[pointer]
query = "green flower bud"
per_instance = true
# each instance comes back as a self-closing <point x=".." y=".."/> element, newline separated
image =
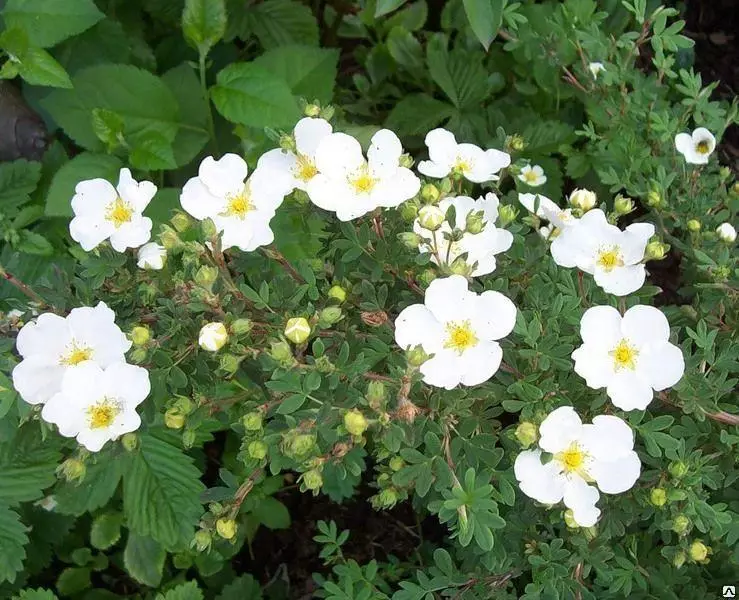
<point x="656" y="250"/>
<point x="475" y="222"/>
<point x="324" y="365"/>
<point x="527" y="433"/>
<point x="130" y="441"/>
<point x="409" y="211"/>
<point x="229" y="363"/>
<point x="694" y="225"/>
<point x="301" y="446"/>
<point x="330" y="316"/>
<point x="226" y="528"/>
<point x="591" y="533"/>
<point x="387" y="498"/>
<point x="181" y="221"/>
<point x="658" y="497"/>
<point x="583" y="199"/>
<point x="461" y="267"/>
<point x="71" y="470"/>
<point x="679" y="559"/>
<point x="681" y="524"/>
<point x="431" y="217"/>
<point x="735" y="188"/>
<point x="241" y="326"/>
<point x="281" y="352"/>
<point x="208" y="228"/>
<point x="410" y="240"/>
<point x="337" y="293"/>
<point x="623" y="205"/>
<point x="138" y="355"/>
<point x="287" y="142"/>
<point x="174" y="419"/>
<point x="202" y="540"/>
<point x="169" y="238"/>
<point x="507" y="214"/>
<point x="188" y="438"/>
<point x="182" y="561"/>
<point x="213" y="336"/>
<point x="297" y="330"/>
<point x="416" y="356"/>
<point x="355" y="422"/>
<point x="724" y="173"/>
<point x="570" y="519"/>
<point x="140" y="335"/>
<point x="406" y="161"/>
<point x="216" y="508"/>
<point x="699" y="551"/>
<point x="376" y="394"/>
<point x="252" y="421"/>
<point x="257" y="449"/>
<point x="654" y="198"/>
<point x="427" y="276"/>
<point x="430" y="193"/>
<point x="206" y="276"/>
<point x="312" y="480"/>
<point x="327" y="113"/>
<point x="678" y="469"/>
<point x="312" y="110"/>
<point x="183" y="404"/>
<point x="396" y="463"/>
<point x="515" y="142"/>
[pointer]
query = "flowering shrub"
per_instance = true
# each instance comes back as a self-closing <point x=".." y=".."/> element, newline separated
<point x="470" y="261"/>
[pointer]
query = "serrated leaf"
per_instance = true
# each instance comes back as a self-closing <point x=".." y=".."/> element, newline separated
<point x="144" y="559"/>
<point x="298" y="236"/>
<point x="241" y="588"/>
<point x="28" y="465"/>
<point x="250" y="95"/>
<point x="161" y="488"/>
<point x="106" y="530"/>
<point x="13" y="539"/>
<point x="185" y="591"/>
<point x="100" y="483"/>
<point x="37" y="67"/>
<point x="74" y="580"/>
<point x="17" y="180"/>
<point x="83" y="166"/>
<point x="190" y="140"/>
<point x="309" y="72"/>
<point x="485" y="18"/>
<point x="417" y="114"/>
<point x="204" y="23"/>
<point x="48" y="22"/>
<point x="152" y="152"/>
<point x="38" y="594"/>
<point x="275" y="23"/>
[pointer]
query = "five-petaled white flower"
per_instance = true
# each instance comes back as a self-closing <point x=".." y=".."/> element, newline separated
<point x="299" y="165"/>
<point x="102" y="211"/>
<point x="601" y="453"/>
<point x="241" y="209"/>
<point x="350" y="185"/>
<point x="532" y="176"/>
<point x="547" y="209"/>
<point x="459" y="328"/>
<point x="630" y="356"/>
<point x="96" y="405"/>
<point x="151" y="256"/>
<point x="472" y="162"/>
<point x="612" y="256"/>
<point x="480" y="248"/>
<point x="52" y="345"/>
<point x="696" y="147"/>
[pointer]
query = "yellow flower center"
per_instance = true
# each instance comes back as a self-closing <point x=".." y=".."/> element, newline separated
<point x="530" y="176"/>
<point x="238" y="205"/>
<point x="461" y="337"/>
<point x="702" y="147"/>
<point x="624" y="356"/>
<point x="609" y="258"/>
<point x="362" y="181"/>
<point x="305" y="170"/>
<point x="573" y="460"/>
<point x="102" y="414"/>
<point x="119" y="212"/>
<point x="75" y="355"/>
<point x="461" y="166"/>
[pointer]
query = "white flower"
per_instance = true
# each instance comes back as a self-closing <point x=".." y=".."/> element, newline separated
<point x="601" y="453"/>
<point x="596" y="68"/>
<point x="96" y="405"/>
<point x="480" y="248"/>
<point x="430" y="217"/>
<point x="350" y="185"/>
<point x="631" y="356"/>
<point x="52" y="345"/>
<point x="547" y="209"/>
<point x="532" y="176"/>
<point x="241" y="209"/>
<point x="612" y="256"/>
<point x="459" y="328"/>
<point x="470" y="161"/>
<point x="696" y="147"/>
<point x="299" y="166"/>
<point x="726" y="232"/>
<point x="213" y="336"/>
<point x="152" y="256"/>
<point x="546" y="231"/>
<point x="102" y="211"/>
<point x="583" y="199"/>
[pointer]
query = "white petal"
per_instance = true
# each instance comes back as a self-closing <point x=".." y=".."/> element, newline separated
<point x="481" y="362"/>
<point x="540" y="482"/>
<point x="197" y="200"/>
<point x="278" y="163"/>
<point x="628" y="391"/>
<point x="479" y="168"/>
<point x="561" y="427"/>
<point x="328" y="193"/>
<point x="645" y="325"/>
<point x="90" y="233"/>
<point x="684" y="143"/>
<point x="593" y="364"/>
<point x="67" y="417"/>
<point x="635" y="239"/>
<point x="600" y="327"/>
<point x="444" y="370"/>
<point x="432" y="169"/>
<point x="92" y="197"/>
<point x="621" y="281"/>
<point x="442" y="147"/>
<point x="663" y="365"/>
<point x="581" y="498"/>
<point x="449" y="299"/>
<point x="417" y="325"/>
<point x="47" y="336"/>
<point x="355" y="207"/>
<point x="566" y="248"/>
<point x="701" y="134"/>
<point x="308" y="134"/>
<point x="127" y="382"/>
<point x="84" y="384"/>
<point x="133" y="234"/>
<point x="94" y="439"/>
<point x="616" y="476"/>
<point x="607" y="438"/>
<point x="37" y="380"/>
<point x="236" y="233"/>
<point x="494" y="315"/>
<point x="392" y="191"/>
<point x="338" y="154"/>
<point x="223" y="176"/>
<point x="384" y="152"/>
<point x="138" y="194"/>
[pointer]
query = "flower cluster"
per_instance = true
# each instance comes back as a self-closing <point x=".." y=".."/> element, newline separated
<point x="75" y="366"/>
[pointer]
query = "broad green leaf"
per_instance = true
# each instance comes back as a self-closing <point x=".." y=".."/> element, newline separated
<point x="144" y="559"/>
<point x="142" y="99"/>
<point x="185" y="591"/>
<point x="48" y="22"/>
<point x="248" y="94"/>
<point x="241" y="588"/>
<point x="106" y="530"/>
<point x="274" y="22"/>
<point x="13" y="539"/>
<point x="106" y="42"/>
<point x="8" y="395"/>
<point x="405" y="49"/>
<point x="162" y="204"/>
<point x="38" y="594"/>
<point x="193" y="135"/>
<point x="204" y="23"/>
<point x="417" y="114"/>
<point x="309" y="72"/>
<point x="387" y="6"/>
<point x="34" y="243"/>
<point x="152" y="152"/>
<point x="298" y="235"/>
<point x="28" y="465"/>
<point x="37" y="67"/>
<point x="17" y="180"/>
<point x="94" y="491"/>
<point x="460" y="74"/>
<point x="485" y="17"/>
<point x="160" y="493"/>
<point x="83" y="166"/>
<point x="74" y="580"/>
<point x="272" y="514"/>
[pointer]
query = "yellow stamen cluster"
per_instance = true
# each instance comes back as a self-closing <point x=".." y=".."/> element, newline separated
<point x="362" y="180"/>
<point x="119" y="212"/>
<point x="574" y="460"/>
<point x="305" y="169"/>
<point x="238" y="205"/>
<point x="75" y="355"/>
<point x="102" y="414"/>
<point x="624" y="356"/>
<point x="609" y="258"/>
<point x="461" y="337"/>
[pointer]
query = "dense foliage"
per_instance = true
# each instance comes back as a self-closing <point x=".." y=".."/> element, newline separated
<point x="415" y="323"/>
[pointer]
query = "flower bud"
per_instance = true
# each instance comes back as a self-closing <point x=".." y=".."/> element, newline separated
<point x="213" y="336"/>
<point x="181" y="221"/>
<point x="724" y="173"/>
<point x="570" y="519"/>
<point x="699" y="551"/>
<point x="312" y="110"/>
<point x="140" y="335"/>
<point x="410" y="240"/>
<point x="202" y="540"/>
<point x="324" y="365"/>
<point x="229" y="363"/>
<point x="679" y="559"/>
<point x="130" y="441"/>
<point x="406" y="161"/>
<point x="208" y="228"/>
<point x="327" y="113"/>
<point x="623" y="205"/>
<point x="430" y="193"/>
<point x="658" y="497"/>
<point x="475" y="222"/>
<point x="151" y="256"/>
<point x="355" y="422"/>
<point x="312" y="480"/>
<point x="460" y="266"/>
<point x="654" y="198"/>
<point x="138" y="355"/>
<point x="726" y="233"/>
<point x="583" y="199"/>
<point x="301" y="446"/>
<point x="694" y="225"/>
<point x="427" y="276"/>
<point x="431" y="217"/>
<point x="337" y="293"/>
<point x="681" y="524"/>
<point x="409" y="211"/>
<point x="241" y="326"/>
<point x="226" y="528"/>
<point x="507" y="214"/>
<point x="591" y="533"/>
<point x="656" y="250"/>
<point x="376" y="394"/>
<point x="329" y="316"/>
<point x="287" y="143"/>
<point x="527" y="433"/>
<point x="297" y="330"/>
<point x="515" y="142"/>
<point x="206" y="276"/>
<point x="281" y="352"/>
<point x="416" y="356"/>
<point x="257" y="449"/>
<point x="387" y="498"/>
<point x="735" y="188"/>
<point x="71" y="470"/>
<point x="188" y="438"/>
<point x="252" y="421"/>
<point x="396" y="463"/>
<point x="169" y="238"/>
<point x="678" y="469"/>
<point x="174" y="419"/>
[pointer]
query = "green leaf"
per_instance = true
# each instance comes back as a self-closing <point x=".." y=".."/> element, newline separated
<point x="185" y="591"/>
<point x="28" y="465"/>
<point x="152" y="152"/>
<point x="275" y="23"/>
<point x="272" y="513"/>
<point x="74" y="580"/>
<point x="13" y="539"/>
<point x="144" y="559"/>
<point x="387" y="6"/>
<point x="38" y="594"/>
<point x="48" y="22"/>
<point x="160" y="493"/>
<point x="161" y="206"/>
<point x="459" y="74"/>
<point x="417" y="114"/>
<point x="192" y="137"/>
<point x="143" y="101"/>
<point x="106" y="530"/>
<point x="38" y="67"/>
<point x="250" y="95"/>
<point x="204" y="23"/>
<point x="298" y="235"/>
<point x="83" y="166"/>
<point x="485" y="18"/>
<point x="241" y="588"/>
<point x="309" y="72"/>
<point x="17" y="180"/>
<point x="34" y="243"/>
<point x="8" y="395"/>
<point x="94" y="491"/>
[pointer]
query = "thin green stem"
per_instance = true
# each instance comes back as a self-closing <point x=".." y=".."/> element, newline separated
<point x="206" y="97"/>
